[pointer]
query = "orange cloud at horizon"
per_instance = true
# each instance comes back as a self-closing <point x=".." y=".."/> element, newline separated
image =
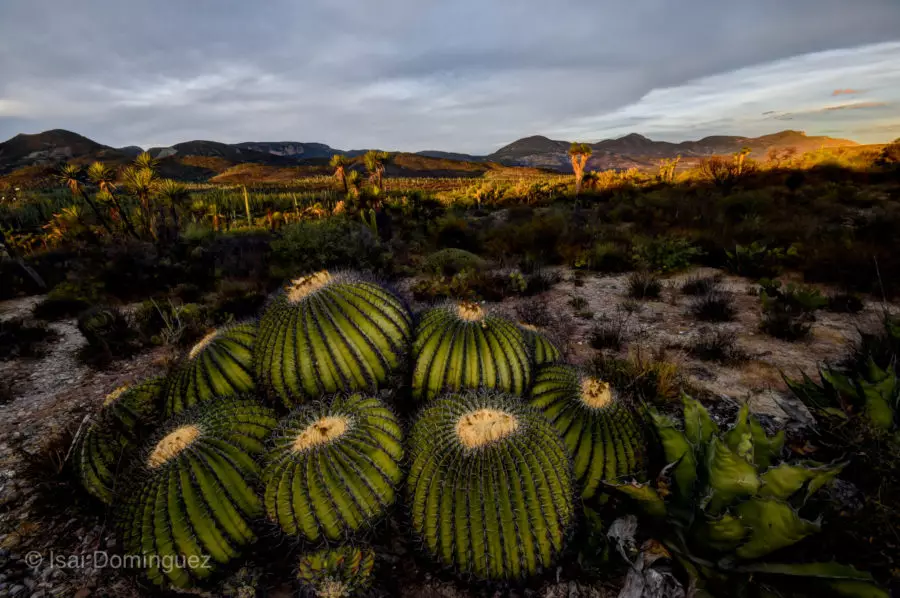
<point x="845" y="92"/>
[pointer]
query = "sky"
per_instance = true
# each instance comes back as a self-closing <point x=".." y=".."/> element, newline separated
<point x="461" y="75"/>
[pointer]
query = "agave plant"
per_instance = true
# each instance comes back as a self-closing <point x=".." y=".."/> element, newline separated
<point x="490" y="485"/>
<point x="724" y="502"/>
<point x="336" y="573"/>
<point x="219" y="365"/>
<point x="330" y="332"/>
<point x="333" y="468"/>
<point x="460" y="346"/>
<point x="189" y="496"/>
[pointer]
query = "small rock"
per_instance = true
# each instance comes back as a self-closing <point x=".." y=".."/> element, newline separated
<point x="82" y="593"/>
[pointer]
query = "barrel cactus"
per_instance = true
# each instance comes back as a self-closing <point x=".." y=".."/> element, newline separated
<point x="461" y="346"/>
<point x="220" y="365"/>
<point x="189" y="496"/>
<point x="598" y="428"/>
<point x="108" y="439"/>
<point x="490" y="485"/>
<point x="336" y="573"/>
<point x="725" y="503"/>
<point x="543" y="351"/>
<point x="327" y="333"/>
<point x="333" y="467"/>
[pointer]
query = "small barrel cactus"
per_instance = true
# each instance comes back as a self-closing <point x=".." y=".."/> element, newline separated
<point x="543" y="351"/>
<point x="490" y="485"/>
<point x="598" y="428"/>
<point x="336" y="573"/>
<point x="189" y="497"/>
<point x="328" y="333"/>
<point x="220" y="365"/>
<point x="334" y="467"/>
<point x="106" y="441"/>
<point x="461" y="346"/>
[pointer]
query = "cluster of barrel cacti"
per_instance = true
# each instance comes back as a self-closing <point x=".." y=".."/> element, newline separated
<point x="291" y="423"/>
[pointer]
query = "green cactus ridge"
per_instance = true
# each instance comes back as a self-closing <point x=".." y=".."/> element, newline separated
<point x="333" y="468"/>
<point x="219" y="365"/>
<point x="107" y="440"/>
<point x="191" y="493"/>
<point x="490" y="485"/>
<point x="599" y="430"/>
<point x="328" y="333"/>
<point x="460" y="346"/>
<point x="336" y="573"/>
<point x="543" y="351"/>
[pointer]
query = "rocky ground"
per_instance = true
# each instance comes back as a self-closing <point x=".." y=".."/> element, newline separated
<point x="52" y="395"/>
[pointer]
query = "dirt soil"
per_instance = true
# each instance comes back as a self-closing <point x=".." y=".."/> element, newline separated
<point x="53" y="394"/>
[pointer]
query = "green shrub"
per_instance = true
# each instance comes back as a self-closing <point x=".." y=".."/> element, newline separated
<point x="325" y="333"/>
<point x="719" y="346"/>
<point x="461" y="346"/>
<point x="644" y="285"/>
<point x="448" y="262"/>
<point x="665" y="254"/>
<point x="333" y="468"/>
<point x="757" y="260"/>
<point x="490" y="485"/>
<point x="336" y="572"/>
<point x="605" y="257"/>
<point x="788" y="313"/>
<point x="597" y="427"/>
<point x="219" y="365"/>
<point x="66" y="300"/>
<point x="191" y="491"/>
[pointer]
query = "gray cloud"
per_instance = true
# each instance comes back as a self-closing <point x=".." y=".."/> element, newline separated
<point x="466" y="75"/>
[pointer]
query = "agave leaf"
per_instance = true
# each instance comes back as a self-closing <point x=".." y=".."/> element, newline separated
<point x="773" y="524"/>
<point x="765" y="448"/>
<point x="786" y="479"/>
<point x="836" y="579"/>
<point x="877" y="405"/>
<point x="698" y="425"/>
<point x="646" y="496"/>
<point x="730" y="476"/>
<point x="677" y="450"/>
<point x="841" y="382"/>
<point x="739" y="438"/>
<point x="724" y="533"/>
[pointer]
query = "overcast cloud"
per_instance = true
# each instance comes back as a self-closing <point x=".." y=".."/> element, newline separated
<point x="466" y="75"/>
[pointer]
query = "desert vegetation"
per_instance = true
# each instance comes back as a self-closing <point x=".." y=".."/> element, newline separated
<point x="349" y="383"/>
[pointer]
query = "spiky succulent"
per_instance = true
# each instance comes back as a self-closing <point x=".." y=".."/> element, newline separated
<point x="543" y="351"/>
<point x="461" y="346"/>
<point x="490" y="485"/>
<point x="333" y="467"/>
<point x="106" y="442"/>
<point x="336" y="573"/>
<point x="723" y="503"/>
<point x="189" y="496"/>
<point x="220" y="365"/>
<point x="326" y="333"/>
<point x="598" y="428"/>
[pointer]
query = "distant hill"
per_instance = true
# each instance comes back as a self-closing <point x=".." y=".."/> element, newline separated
<point x="451" y="156"/>
<point x="51" y="147"/>
<point x="301" y="151"/>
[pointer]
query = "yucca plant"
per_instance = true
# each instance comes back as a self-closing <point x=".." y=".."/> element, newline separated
<point x="336" y="573"/>
<point x="460" y="346"/>
<point x="490" y="485"/>
<point x="190" y="494"/>
<point x="333" y="467"/>
<point x="542" y="349"/>
<point x="598" y="427"/>
<point x="219" y="365"/>
<point x="106" y="442"/>
<point x="725" y="502"/>
<point x="326" y="333"/>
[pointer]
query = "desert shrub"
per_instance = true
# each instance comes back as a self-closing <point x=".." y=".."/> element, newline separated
<point x="169" y="323"/>
<point x="109" y="334"/>
<point x="646" y="375"/>
<point x="881" y="347"/>
<point x="644" y="285"/>
<point x="313" y="245"/>
<point x="605" y="257"/>
<point x="67" y="299"/>
<point x="701" y="285"/>
<point x="757" y="260"/>
<point x="716" y="306"/>
<point x="539" y="237"/>
<point x="716" y="345"/>
<point x="788" y="313"/>
<point x="244" y="255"/>
<point x="458" y="286"/>
<point x="665" y="254"/>
<point x="453" y="230"/>
<point x="845" y="303"/>
<point x="236" y="300"/>
<point x="609" y="333"/>
<point x="19" y="338"/>
<point x="448" y="262"/>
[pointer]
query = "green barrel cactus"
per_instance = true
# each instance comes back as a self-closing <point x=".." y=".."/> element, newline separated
<point x="333" y="467"/>
<point x="329" y="333"/>
<point x="725" y="503"/>
<point x="598" y="428"/>
<point x="336" y="573"/>
<point x="188" y="499"/>
<point x="106" y="442"/>
<point x="543" y="351"/>
<point x="490" y="485"/>
<point x="461" y="346"/>
<point x="220" y="365"/>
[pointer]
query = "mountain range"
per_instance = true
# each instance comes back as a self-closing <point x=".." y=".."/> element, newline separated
<point x="202" y="160"/>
